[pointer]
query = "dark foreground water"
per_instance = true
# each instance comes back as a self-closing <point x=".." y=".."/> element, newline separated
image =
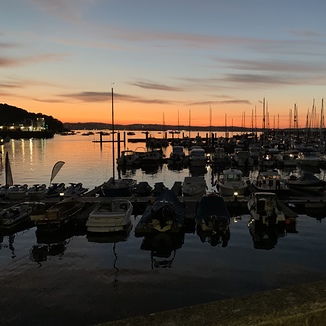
<point x="73" y="279"/>
<point x="86" y="281"/>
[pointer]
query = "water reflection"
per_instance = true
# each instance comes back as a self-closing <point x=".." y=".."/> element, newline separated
<point x="265" y="236"/>
<point x="317" y="213"/>
<point x="214" y="238"/>
<point x="10" y="245"/>
<point x="163" y="247"/>
<point x="111" y="237"/>
<point x="50" y="245"/>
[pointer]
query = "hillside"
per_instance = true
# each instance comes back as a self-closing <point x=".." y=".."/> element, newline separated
<point x="11" y="114"/>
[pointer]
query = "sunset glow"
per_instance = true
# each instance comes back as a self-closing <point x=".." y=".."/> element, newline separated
<point x="177" y="62"/>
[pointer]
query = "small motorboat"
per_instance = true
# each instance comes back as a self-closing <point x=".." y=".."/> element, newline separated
<point x="166" y="214"/>
<point x="212" y="213"/>
<point x="118" y="187"/>
<point x="265" y="208"/>
<point x="14" y="215"/>
<point x="306" y="182"/>
<point x="271" y="181"/>
<point x="232" y="183"/>
<point x="142" y="189"/>
<point x="194" y="186"/>
<point x="75" y="189"/>
<point x="112" y="216"/>
<point x="59" y="215"/>
<point x="56" y="190"/>
<point x="37" y="191"/>
<point x="17" y="192"/>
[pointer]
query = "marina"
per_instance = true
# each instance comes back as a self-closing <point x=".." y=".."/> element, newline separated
<point x="123" y="275"/>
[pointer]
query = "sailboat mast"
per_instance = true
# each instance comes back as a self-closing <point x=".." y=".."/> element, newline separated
<point x="113" y="158"/>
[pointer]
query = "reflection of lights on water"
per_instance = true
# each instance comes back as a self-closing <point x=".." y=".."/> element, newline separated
<point x="115" y="282"/>
<point x="237" y="218"/>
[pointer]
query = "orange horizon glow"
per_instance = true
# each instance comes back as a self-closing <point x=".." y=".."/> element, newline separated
<point x="126" y="114"/>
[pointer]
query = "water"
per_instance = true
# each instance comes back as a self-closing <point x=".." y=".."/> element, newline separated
<point x="76" y="279"/>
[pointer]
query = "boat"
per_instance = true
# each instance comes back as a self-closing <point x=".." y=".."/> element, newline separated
<point x="177" y="155"/>
<point x="268" y="158"/>
<point x="265" y="209"/>
<point x="213" y="219"/>
<point x="142" y="189"/>
<point x="194" y="186"/>
<point x="309" y="156"/>
<point x="197" y="156"/>
<point x="75" y="189"/>
<point x="56" y="190"/>
<point x="60" y="215"/>
<point x="306" y="182"/>
<point x="287" y="158"/>
<point x="153" y="156"/>
<point x="17" y="192"/>
<point x="37" y="192"/>
<point x="231" y="183"/>
<point x="112" y="216"/>
<point x="14" y="215"/>
<point x="242" y="158"/>
<point x="166" y="214"/>
<point x="38" y="210"/>
<point x="271" y="181"/>
<point x="129" y="157"/>
<point x="220" y="158"/>
<point x="118" y="187"/>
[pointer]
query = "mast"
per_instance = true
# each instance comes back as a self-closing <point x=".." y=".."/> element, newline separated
<point x="113" y="158"/>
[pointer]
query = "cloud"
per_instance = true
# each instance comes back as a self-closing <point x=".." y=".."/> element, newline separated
<point x="291" y="66"/>
<point x="206" y="103"/>
<point x="22" y="61"/>
<point x="156" y="86"/>
<point x="89" y="96"/>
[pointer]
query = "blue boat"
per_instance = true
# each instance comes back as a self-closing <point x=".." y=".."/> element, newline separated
<point x="166" y="214"/>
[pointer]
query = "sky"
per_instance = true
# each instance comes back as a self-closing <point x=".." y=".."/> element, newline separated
<point x="184" y="62"/>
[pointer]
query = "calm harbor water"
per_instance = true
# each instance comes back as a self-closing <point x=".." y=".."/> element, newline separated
<point x="78" y="279"/>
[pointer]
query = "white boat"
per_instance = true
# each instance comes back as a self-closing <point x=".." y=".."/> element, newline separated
<point x="265" y="208"/>
<point x="232" y="183"/>
<point x="194" y="186"/>
<point x="197" y="157"/>
<point x="112" y="216"/>
<point x="14" y="215"/>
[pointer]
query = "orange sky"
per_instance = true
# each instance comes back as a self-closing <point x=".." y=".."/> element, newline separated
<point x="208" y="61"/>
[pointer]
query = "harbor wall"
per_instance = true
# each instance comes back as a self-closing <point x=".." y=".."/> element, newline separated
<point x="293" y="306"/>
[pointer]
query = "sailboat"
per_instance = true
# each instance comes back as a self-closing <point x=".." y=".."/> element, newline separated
<point x="16" y="214"/>
<point x="8" y="178"/>
<point x="116" y="187"/>
<point x="56" y="188"/>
